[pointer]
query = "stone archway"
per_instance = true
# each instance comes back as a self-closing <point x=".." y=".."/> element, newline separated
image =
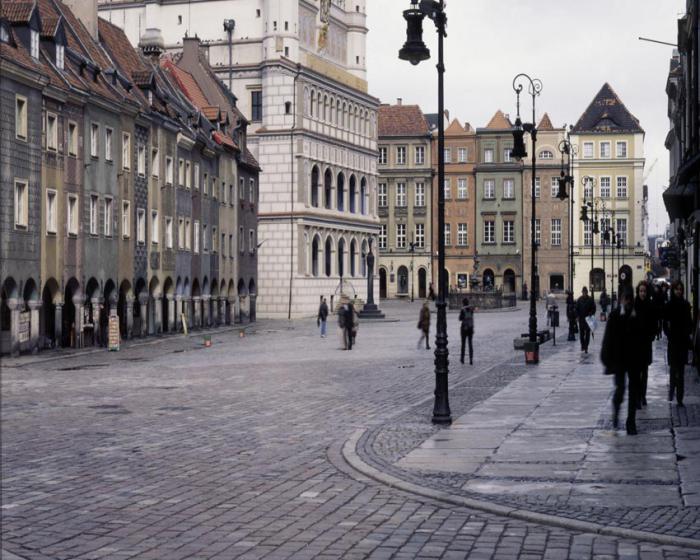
<point x="422" y="283"/>
<point x="382" y="282"/>
<point x="509" y="281"/>
<point x="51" y="314"/>
<point x="72" y="319"/>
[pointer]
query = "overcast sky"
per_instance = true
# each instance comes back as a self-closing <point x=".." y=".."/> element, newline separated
<point x="574" y="47"/>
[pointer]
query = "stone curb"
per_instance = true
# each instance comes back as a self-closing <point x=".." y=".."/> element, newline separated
<point x="351" y="457"/>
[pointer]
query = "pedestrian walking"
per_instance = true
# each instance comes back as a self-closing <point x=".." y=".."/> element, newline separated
<point x="424" y="325"/>
<point x="431" y="292"/>
<point x="354" y="322"/>
<point x="646" y="315"/>
<point x="659" y="302"/>
<point x="604" y="304"/>
<point x="551" y="303"/>
<point x="466" y="329"/>
<point x="678" y="327"/>
<point x="322" y="317"/>
<point x="585" y="307"/>
<point x="344" y="324"/>
<point x="621" y="357"/>
<point x="571" y="309"/>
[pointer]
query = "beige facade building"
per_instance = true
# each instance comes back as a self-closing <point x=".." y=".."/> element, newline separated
<point x="404" y="201"/>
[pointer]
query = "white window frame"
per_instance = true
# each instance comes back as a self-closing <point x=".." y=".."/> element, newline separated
<point x="401" y="195"/>
<point x="602" y="146"/>
<point x="605" y="186"/>
<point x="21" y="204"/>
<point x="419" y="232"/>
<point x="506" y="155"/>
<point x="141" y="160"/>
<point x="400" y="236"/>
<point x="419" y="195"/>
<point x="109" y="216"/>
<point x="21" y="112"/>
<point x="34" y="43"/>
<point x="126" y="219"/>
<point x="621" y="230"/>
<point x="588" y="189"/>
<point x="169" y="170"/>
<point x="462" y="188"/>
<point x="60" y="56"/>
<point x="188" y="174"/>
<point x="448" y="155"/>
<point x="488" y="155"/>
<point x="155" y="228"/>
<point x="181" y="172"/>
<point x="538" y="187"/>
<point x="621" y="144"/>
<point x="382" y="155"/>
<point x="447" y="232"/>
<point x="141" y="226"/>
<point x="509" y="189"/>
<point x="447" y="186"/>
<point x="126" y="150"/>
<point x="51" y="132"/>
<point x="508" y="231"/>
<point x="538" y="231"/>
<point x="556" y="232"/>
<point x="489" y="189"/>
<point x="109" y="138"/>
<point x="73" y="215"/>
<point x="462" y="155"/>
<point x="419" y="155"/>
<point x="588" y="150"/>
<point x="489" y="232"/>
<point x="168" y="232"/>
<point x="462" y="235"/>
<point x="400" y="155"/>
<point x="196" y="233"/>
<point x="205" y="238"/>
<point x="251" y="191"/>
<point x="155" y="162"/>
<point x="94" y="214"/>
<point x="546" y="154"/>
<point x="195" y="178"/>
<point x="94" y="140"/>
<point x="554" y="186"/>
<point x="251" y="241"/>
<point x="51" y="211"/>
<point x="622" y="190"/>
<point x="381" y="239"/>
<point x="587" y="233"/>
<point x="72" y="138"/>
<point x="382" y="195"/>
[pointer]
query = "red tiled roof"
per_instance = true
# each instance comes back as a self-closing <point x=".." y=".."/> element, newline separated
<point x="402" y="120"/>
<point x="16" y="12"/>
<point x="499" y="122"/>
<point x="248" y="159"/>
<point x="224" y="140"/>
<point x="545" y="123"/>
<point x="187" y="84"/>
<point x="212" y="113"/>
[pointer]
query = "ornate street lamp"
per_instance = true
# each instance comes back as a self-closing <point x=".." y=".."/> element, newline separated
<point x="415" y="51"/>
<point x="593" y="220"/>
<point x="566" y="179"/>
<point x="532" y="347"/>
<point x="412" y="246"/>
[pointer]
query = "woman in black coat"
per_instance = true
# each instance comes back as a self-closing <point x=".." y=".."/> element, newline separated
<point x="620" y="356"/>
<point x="646" y="314"/>
<point x="678" y="326"/>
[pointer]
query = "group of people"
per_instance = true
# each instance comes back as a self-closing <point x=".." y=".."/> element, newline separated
<point x="348" y="321"/>
<point x="466" y="328"/>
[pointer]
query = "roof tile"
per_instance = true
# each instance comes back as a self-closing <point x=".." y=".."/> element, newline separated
<point x="607" y="113"/>
<point x="402" y="120"/>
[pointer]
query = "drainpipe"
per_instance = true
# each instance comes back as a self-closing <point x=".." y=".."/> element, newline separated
<point x="291" y="191"/>
<point x="229" y="26"/>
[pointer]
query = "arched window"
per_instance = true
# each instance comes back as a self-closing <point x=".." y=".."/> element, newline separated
<point x="340" y="192"/>
<point x="331" y="114"/>
<point x="327" y="186"/>
<point x="328" y="256"/>
<point x="326" y="116"/>
<point x="341" y="257"/>
<point x="353" y="193"/>
<point x="339" y="114"/>
<point x="353" y="257"/>
<point x="363" y="196"/>
<point x="315" y="249"/>
<point x="315" y="186"/>
<point x="546" y="154"/>
<point x="319" y="109"/>
<point x="313" y="104"/>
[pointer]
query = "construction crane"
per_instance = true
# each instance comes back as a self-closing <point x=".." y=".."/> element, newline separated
<point x="651" y="168"/>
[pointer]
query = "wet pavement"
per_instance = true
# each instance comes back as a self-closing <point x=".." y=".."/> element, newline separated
<point x="263" y="446"/>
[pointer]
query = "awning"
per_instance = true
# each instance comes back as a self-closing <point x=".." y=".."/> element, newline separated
<point x="678" y="200"/>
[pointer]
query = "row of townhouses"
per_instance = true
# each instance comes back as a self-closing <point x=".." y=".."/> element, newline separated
<point x="127" y="187"/>
<point x="488" y="198"/>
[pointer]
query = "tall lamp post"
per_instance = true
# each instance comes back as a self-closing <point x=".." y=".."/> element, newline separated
<point x="412" y="246"/>
<point x="534" y="87"/>
<point x="415" y="51"/>
<point x="566" y="178"/>
<point x="593" y="220"/>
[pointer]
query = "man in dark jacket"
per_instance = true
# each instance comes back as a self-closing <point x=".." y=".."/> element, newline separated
<point x="466" y="329"/>
<point x="620" y="356"/>
<point x="322" y="316"/>
<point x="678" y="327"/>
<point x="585" y="307"/>
<point x="646" y="315"/>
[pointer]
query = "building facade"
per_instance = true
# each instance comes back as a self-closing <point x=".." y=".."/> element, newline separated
<point x="298" y="68"/>
<point x="404" y="201"/>
<point x="608" y="175"/>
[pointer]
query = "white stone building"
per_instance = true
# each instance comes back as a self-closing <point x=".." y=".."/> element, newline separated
<point x="298" y="70"/>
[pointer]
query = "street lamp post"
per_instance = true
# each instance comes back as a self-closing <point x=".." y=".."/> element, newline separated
<point x="412" y="246"/>
<point x="415" y="51"/>
<point x="593" y="219"/>
<point x="534" y="87"/>
<point x="566" y="178"/>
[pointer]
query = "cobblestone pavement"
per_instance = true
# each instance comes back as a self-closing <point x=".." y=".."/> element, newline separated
<point x="168" y="450"/>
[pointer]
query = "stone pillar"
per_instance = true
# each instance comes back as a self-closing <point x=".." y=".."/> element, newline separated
<point x="222" y="310"/>
<point x="96" y="321"/>
<point x="172" y="312"/>
<point x="214" y="311"/>
<point x="58" y="323"/>
<point x="129" y="317"/>
<point x="205" y="311"/>
<point x="251" y="313"/>
<point x="15" y="306"/>
<point x="187" y="310"/>
<point x="34" y="307"/>
<point x="158" y="318"/>
<point x="79" y="303"/>
<point x="233" y="316"/>
<point x="143" y="304"/>
<point x="176" y="315"/>
<point x="197" y="316"/>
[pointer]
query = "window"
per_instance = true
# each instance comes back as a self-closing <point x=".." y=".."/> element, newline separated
<point x="51" y="132"/>
<point x="34" y="43"/>
<point x="381" y="195"/>
<point x="382" y="155"/>
<point x="588" y="188"/>
<point x="420" y="235"/>
<point x="462" y="235"/>
<point x="126" y="219"/>
<point x="4" y="35"/>
<point x="231" y="195"/>
<point x="60" y="56"/>
<point x="126" y="150"/>
<point x="489" y="231"/>
<point x="241" y="189"/>
<point x="51" y="211"/>
<point x="488" y="155"/>
<point x="462" y="155"/>
<point x="622" y="187"/>
<point x="508" y="189"/>
<point x="604" y="227"/>
<point x="400" y="194"/>
<point x="94" y="139"/>
<point x="188" y="175"/>
<point x="555" y="186"/>
<point x="188" y="235"/>
<point x="231" y="251"/>
<point x="214" y="239"/>
<point x="72" y="215"/>
<point x="108" y="144"/>
<point x="538" y="187"/>
<point x="94" y="214"/>
<point x="168" y="233"/>
<point x="180" y="233"/>
<point x="401" y="155"/>
<point x="420" y="155"/>
<point x="400" y="236"/>
<point x="109" y="217"/>
<point x="382" y="236"/>
<point x="256" y="104"/>
<point x="205" y="182"/>
<point x="538" y="231"/>
<point x="622" y="231"/>
<point x="141" y="163"/>
<point x="169" y="170"/>
<point x="155" y="229"/>
<point x="420" y="195"/>
<point x="155" y="162"/>
<point x="587" y="232"/>
<point x="448" y="155"/>
<point x="21" y="117"/>
<point x="181" y="172"/>
<point x="621" y="149"/>
<point x="588" y="149"/>
<point x="605" y="149"/>
<point x="21" y="204"/>
<point x="141" y="226"/>
<point x="223" y="244"/>
<point x="241" y="240"/>
<point x="508" y="231"/>
<point x="448" y="234"/>
<point x="195" y="180"/>
<point x="447" y="188"/>
<point x="605" y="187"/>
<point x="72" y="139"/>
<point x="506" y="155"/>
<point x="251" y="194"/>
<point x="489" y="189"/>
<point x="196" y="236"/>
<point x="546" y="154"/>
<point x="251" y="241"/>
<point x="556" y="232"/>
<point x="205" y="238"/>
<point x="462" y="187"/>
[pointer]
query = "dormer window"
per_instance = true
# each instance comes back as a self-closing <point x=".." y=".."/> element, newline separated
<point x="60" y="56"/>
<point x="4" y="35"/>
<point x="34" y="36"/>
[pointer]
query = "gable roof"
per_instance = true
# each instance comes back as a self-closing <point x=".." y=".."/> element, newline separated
<point x="499" y="122"/>
<point x="545" y="123"/>
<point x="187" y="83"/>
<point x="607" y="113"/>
<point x="16" y="12"/>
<point x="402" y="120"/>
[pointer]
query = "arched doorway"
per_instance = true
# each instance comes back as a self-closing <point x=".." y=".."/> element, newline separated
<point x="315" y="185"/>
<point x="488" y="279"/>
<point x="382" y="282"/>
<point x="204" y="314"/>
<point x="168" y="293"/>
<point x="141" y="295"/>
<point x="596" y="279"/>
<point x="509" y="281"/>
<point x="195" y="305"/>
<point x="9" y="292"/>
<point x="340" y="192"/>
<point x="230" y="293"/>
<point x="242" y="301"/>
<point x="69" y="315"/>
<point x="153" y="293"/>
<point x="327" y="188"/>
<point x="422" y="283"/>
<point x="125" y="300"/>
<point x="214" y="316"/>
<point x="402" y="281"/>
<point x="252" y="295"/>
<point x="109" y="294"/>
<point x="625" y="275"/>
<point x="91" y="327"/>
<point x="48" y="312"/>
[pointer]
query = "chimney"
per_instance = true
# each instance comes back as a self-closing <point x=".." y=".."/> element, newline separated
<point x="152" y="43"/>
<point x="86" y="12"/>
<point x="190" y="50"/>
<point x="399" y="101"/>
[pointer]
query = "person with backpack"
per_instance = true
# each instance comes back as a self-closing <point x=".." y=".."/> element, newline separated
<point x="585" y="307"/>
<point x="466" y="329"/>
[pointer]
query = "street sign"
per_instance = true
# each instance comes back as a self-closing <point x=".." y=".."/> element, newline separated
<point x="24" y="324"/>
<point x="113" y="332"/>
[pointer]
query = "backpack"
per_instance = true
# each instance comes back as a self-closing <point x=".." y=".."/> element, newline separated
<point x="466" y="317"/>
